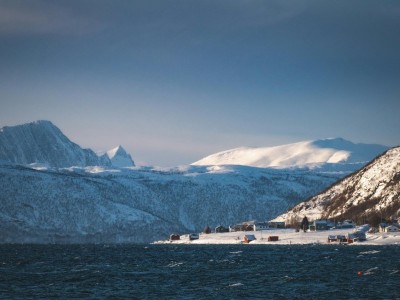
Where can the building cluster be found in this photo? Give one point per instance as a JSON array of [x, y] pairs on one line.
[[255, 226], [358, 234]]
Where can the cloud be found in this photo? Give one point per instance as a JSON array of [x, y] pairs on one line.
[[44, 17]]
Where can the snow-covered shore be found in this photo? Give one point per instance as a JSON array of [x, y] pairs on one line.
[[286, 236]]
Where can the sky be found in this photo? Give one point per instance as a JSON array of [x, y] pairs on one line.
[[174, 81]]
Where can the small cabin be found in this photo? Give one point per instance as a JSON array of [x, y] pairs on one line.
[[345, 225], [220, 229], [391, 228], [356, 236], [246, 226], [261, 226], [249, 238], [174, 237], [337, 238], [277, 224], [319, 225], [273, 238]]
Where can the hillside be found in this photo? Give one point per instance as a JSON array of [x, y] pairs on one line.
[[372, 194], [142, 204]]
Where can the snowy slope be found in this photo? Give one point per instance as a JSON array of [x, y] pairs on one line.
[[120, 158], [42, 143], [372, 192], [307, 153], [142, 204]]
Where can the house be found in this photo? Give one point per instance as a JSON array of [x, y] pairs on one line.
[[276, 224], [356, 236], [273, 238], [363, 228], [221, 228], [249, 238], [318, 225], [345, 225], [174, 237], [336, 238], [391, 228], [261, 226], [234, 228], [245, 226]]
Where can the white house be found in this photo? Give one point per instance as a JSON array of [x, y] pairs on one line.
[[261, 226], [392, 228]]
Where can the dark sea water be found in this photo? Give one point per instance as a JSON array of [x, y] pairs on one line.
[[199, 272]]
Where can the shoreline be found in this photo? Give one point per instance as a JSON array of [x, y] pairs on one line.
[[285, 237]]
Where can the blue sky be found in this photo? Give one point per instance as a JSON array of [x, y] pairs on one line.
[[174, 81]]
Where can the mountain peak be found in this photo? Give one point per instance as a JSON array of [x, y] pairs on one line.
[[120, 158], [42, 122], [41, 142], [119, 150]]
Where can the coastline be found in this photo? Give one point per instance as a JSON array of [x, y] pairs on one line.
[[286, 237]]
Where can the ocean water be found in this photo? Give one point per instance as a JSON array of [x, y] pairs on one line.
[[199, 272]]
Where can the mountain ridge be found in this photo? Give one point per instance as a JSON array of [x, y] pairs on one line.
[[372, 192], [300, 154], [42, 144]]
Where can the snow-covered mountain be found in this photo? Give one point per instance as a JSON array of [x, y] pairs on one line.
[[317, 153], [372, 192], [42, 144], [120, 158], [97, 204]]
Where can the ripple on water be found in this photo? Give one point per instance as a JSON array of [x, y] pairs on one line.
[[204, 271]]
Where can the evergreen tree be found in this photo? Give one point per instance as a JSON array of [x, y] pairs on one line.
[[305, 223]]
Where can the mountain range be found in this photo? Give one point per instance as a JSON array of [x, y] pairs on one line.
[[78, 196], [42, 144]]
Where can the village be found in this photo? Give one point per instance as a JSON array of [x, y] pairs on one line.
[[305, 232]]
